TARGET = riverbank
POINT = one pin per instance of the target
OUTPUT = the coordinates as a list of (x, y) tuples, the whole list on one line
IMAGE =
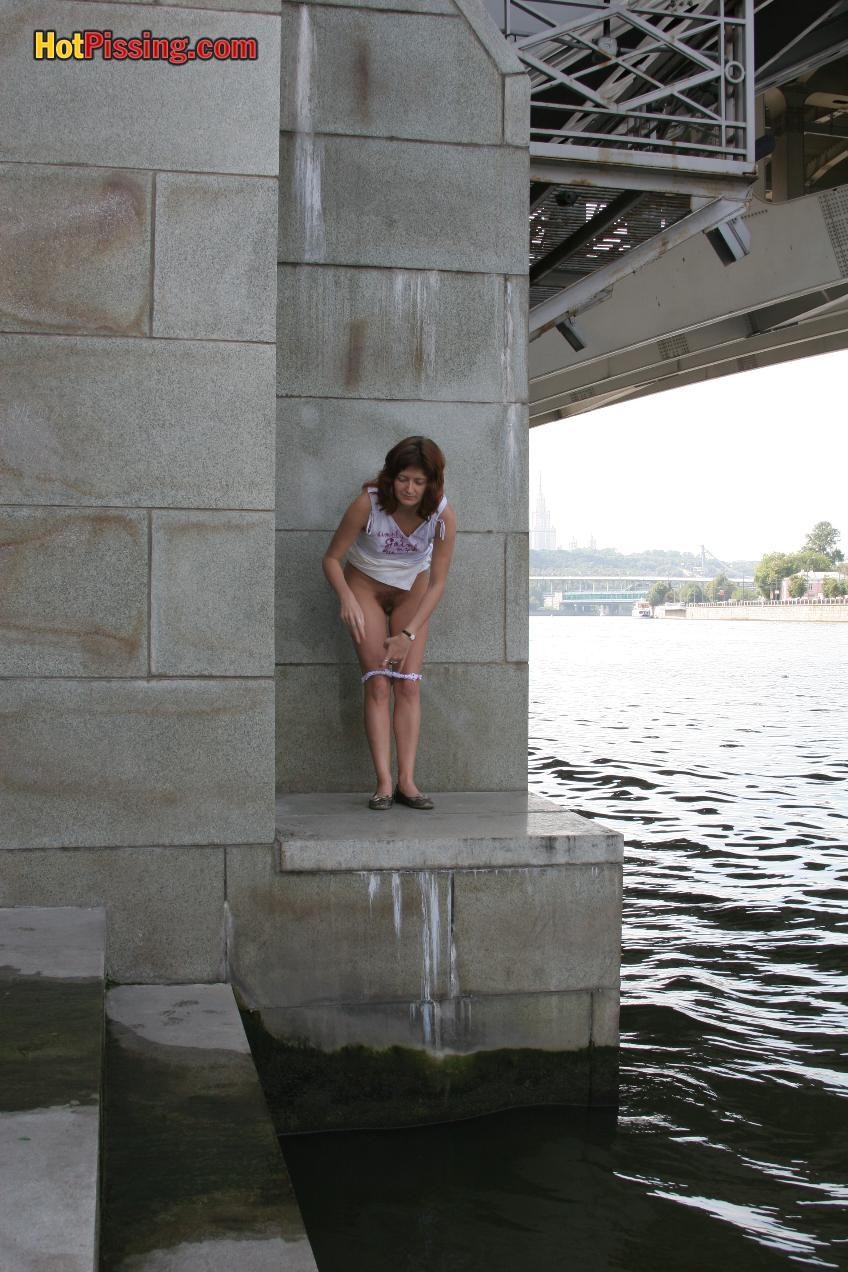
[(827, 611)]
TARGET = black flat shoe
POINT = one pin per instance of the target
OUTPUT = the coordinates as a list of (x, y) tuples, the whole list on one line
[(421, 802), (380, 803)]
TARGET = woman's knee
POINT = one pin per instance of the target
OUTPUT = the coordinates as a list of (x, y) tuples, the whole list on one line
[(407, 690), (377, 688)]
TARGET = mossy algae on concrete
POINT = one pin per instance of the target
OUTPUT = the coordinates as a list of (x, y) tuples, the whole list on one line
[(356, 1086), (52, 1056), (189, 1154)]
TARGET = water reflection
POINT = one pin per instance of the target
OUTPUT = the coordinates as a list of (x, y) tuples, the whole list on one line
[(719, 751)]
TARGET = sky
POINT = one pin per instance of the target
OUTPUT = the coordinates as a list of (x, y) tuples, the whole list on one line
[(744, 465)]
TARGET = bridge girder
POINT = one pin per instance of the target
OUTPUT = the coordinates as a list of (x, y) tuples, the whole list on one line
[(650, 302), (684, 318)]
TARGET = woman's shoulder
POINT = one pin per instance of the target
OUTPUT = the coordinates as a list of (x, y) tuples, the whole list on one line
[(446, 513), (361, 507)]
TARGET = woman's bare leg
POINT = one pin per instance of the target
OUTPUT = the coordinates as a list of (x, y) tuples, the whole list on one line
[(377, 689), (406, 719)]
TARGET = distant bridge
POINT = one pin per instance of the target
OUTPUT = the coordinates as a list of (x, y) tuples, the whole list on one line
[(610, 589)]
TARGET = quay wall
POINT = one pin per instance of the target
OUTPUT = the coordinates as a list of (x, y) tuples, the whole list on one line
[(770, 613)]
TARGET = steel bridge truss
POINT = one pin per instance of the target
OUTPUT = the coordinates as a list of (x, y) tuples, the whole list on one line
[(640, 84)]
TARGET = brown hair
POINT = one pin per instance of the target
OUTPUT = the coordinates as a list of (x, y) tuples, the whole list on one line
[(413, 452)]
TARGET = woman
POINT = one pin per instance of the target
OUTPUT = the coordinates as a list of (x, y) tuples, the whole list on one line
[(398, 536)]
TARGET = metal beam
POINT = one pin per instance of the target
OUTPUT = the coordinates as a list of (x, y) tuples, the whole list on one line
[(595, 226), (604, 168), (574, 298), (820, 335), (606, 64)]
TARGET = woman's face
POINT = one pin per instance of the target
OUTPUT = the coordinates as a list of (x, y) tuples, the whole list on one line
[(409, 487)]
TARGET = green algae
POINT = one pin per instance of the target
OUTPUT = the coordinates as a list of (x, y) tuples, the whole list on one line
[(50, 1044), (189, 1153), (363, 1087)]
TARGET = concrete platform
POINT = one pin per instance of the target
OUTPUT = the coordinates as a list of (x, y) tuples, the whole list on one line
[(194, 1179), (466, 830), (51, 1053), (410, 966)]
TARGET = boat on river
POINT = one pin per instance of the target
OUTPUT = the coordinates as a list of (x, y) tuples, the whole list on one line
[(641, 610)]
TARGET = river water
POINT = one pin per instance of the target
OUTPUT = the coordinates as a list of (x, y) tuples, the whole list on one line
[(719, 750)]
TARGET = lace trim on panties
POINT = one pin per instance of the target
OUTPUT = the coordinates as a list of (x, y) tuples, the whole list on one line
[(393, 675)]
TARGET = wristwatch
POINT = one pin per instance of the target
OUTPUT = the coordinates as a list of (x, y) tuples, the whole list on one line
[(404, 632)]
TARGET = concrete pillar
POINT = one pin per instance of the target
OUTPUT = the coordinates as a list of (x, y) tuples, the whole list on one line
[(402, 309), (787, 165), (136, 472)]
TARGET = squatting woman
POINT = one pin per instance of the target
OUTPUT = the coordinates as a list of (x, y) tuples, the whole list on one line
[(398, 536)]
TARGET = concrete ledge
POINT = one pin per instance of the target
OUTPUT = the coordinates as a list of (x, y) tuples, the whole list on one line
[(471, 831), (63, 943), (51, 1053)]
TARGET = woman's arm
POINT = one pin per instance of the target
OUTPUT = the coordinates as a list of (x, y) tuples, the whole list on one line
[(397, 647), (354, 520)]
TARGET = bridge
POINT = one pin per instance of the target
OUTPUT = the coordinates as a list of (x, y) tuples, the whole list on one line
[(178, 439), (606, 589), (679, 149)]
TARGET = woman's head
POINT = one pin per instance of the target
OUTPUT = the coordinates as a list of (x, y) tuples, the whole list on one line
[(413, 475)]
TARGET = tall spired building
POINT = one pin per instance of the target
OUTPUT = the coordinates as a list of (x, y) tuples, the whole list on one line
[(542, 530)]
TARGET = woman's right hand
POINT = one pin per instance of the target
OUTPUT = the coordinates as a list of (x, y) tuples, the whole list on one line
[(353, 618)]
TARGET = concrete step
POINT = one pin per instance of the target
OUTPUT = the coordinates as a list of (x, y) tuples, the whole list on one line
[(194, 1179), (51, 1056), (466, 830)]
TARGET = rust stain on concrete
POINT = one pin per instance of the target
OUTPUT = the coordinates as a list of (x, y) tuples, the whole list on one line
[(362, 78), (70, 231), (357, 333)]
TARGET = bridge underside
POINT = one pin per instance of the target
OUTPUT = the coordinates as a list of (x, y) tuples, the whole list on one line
[(689, 200)]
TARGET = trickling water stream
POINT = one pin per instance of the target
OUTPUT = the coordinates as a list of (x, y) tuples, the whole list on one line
[(719, 750)]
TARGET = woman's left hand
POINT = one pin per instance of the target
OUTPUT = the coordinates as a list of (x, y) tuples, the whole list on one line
[(397, 648)]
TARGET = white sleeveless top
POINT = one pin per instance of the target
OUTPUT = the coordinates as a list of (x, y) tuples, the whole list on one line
[(385, 553)]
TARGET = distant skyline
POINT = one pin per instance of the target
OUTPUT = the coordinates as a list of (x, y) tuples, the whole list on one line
[(745, 465)]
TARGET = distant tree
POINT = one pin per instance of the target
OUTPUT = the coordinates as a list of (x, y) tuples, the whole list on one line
[(656, 562), (538, 591), (691, 593), (658, 594), (807, 559), (797, 586), (823, 538), (835, 587), (773, 567), (719, 588)]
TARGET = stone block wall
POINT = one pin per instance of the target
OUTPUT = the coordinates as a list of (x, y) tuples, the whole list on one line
[(402, 309), (138, 218)]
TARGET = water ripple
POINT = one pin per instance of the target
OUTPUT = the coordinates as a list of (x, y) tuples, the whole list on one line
[(734, 1010)]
